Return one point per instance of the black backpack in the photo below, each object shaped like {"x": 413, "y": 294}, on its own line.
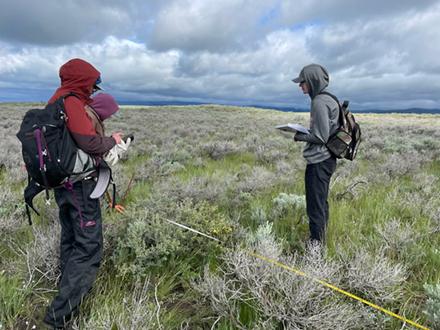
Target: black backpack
{"x": 49, "y": 151}
{"x": 344, "y": 143}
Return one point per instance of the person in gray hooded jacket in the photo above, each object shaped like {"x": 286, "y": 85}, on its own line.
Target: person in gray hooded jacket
{"x": 321, "y": 164}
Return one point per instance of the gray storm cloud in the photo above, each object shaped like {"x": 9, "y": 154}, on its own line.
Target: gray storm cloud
{"x": 380, "y": 55}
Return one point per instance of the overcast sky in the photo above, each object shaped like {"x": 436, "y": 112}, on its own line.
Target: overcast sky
{"x": 380, "y": 54}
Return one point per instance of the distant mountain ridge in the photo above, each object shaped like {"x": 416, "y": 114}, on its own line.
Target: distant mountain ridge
{"x": 409, "y": 110}
{"x": 259, "y": 106}
{"x": 285, "y": 109}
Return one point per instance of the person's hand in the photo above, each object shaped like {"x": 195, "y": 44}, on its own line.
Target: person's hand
{"x": 115, "y": 153}
{"x": 117, "y": 137}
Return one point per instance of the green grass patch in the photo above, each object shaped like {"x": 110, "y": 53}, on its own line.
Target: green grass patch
{"x": 434, "y": 168}
{"x": 13, "y": 302}
{"x": 228, "y": 164}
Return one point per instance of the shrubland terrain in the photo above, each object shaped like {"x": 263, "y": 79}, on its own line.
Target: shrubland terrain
{"x": 226, "y": 172}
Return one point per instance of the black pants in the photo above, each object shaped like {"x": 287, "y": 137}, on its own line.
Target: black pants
{"x": 317, "y": 181}
{"x": 80, "y": 249}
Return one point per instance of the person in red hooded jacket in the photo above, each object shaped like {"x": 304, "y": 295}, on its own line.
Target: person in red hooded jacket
{"x": 80, "y": 216}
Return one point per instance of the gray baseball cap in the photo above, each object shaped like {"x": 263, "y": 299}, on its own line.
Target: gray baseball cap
{"x": 300, "y": 78}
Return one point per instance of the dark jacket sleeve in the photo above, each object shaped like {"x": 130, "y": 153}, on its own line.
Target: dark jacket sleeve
{"x": 82, "y": 130}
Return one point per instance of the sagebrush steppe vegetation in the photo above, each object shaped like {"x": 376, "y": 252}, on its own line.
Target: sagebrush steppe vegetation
{"x": 226, "y": 171}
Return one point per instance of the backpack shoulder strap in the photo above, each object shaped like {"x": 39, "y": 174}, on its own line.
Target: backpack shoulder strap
{"x": 332, "y": 96}
{"x": 341, "y": 108}
{"x": 65, "y": 96}
{"x": 70, "y": 94}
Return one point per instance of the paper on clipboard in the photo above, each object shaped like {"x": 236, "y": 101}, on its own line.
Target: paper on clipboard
{"x": 293, "y": 128}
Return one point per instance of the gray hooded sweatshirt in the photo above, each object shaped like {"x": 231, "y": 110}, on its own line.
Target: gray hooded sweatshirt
{"x": 324, "y": 114}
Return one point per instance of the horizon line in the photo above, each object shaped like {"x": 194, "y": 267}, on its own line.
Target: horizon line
{"x": 415, "y": 110}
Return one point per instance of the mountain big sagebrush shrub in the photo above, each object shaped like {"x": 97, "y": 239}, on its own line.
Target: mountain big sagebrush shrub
{"x": 150, "y": 241}
{"x": 433, "y": 304}
{"x": 284, "y": 202}
{"x": 133, "y": 310}
{"x": 374, "y": 276}
{"x": 280, "y": 299}
{"x": 11, "y": 210}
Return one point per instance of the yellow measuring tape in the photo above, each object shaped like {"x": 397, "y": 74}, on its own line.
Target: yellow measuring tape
{"x": 335, "y": 288}
{"x": 298, "y": 272}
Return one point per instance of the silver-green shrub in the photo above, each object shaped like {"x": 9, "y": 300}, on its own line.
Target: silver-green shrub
{"x": 432, "y": 309}
{"x": 135, "y": 310}
{"x": 374, "y": 276}
{"x": 210, "y": 188}
{"x": 258, "y": 215}
{"x": 39, "y": 259}
{"x": 150, "y": 241}
{"x": 256, "y": 179}
{"x": 42, "y": 255}
{"x": 219, "y": 149}
{"x": 397, "y": 165}
{"x": 12, "y": 215}
{"x": 396, "y": 236}
{"x": 282, "y": 299}
{"x": 285, "y": 202}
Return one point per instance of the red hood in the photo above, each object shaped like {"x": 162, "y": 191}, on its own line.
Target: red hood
{"x": 77, "y": 76}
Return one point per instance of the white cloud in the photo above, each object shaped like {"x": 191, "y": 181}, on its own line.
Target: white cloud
{"x": 347, "y": 11}
{"x": 194, "y": 25}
